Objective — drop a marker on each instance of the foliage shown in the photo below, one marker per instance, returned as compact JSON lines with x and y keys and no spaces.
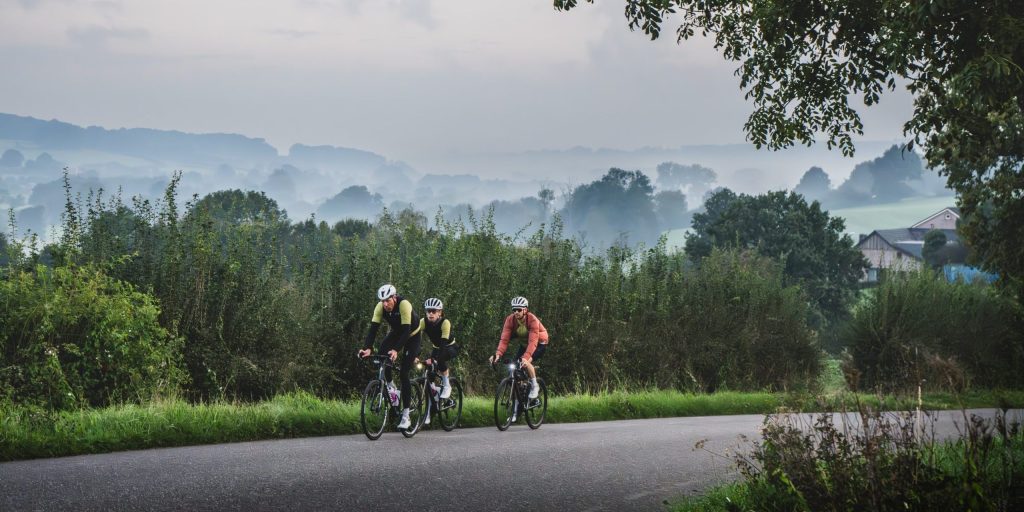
{"x":355,"y":201}
{"x":670,"y":208}
{"x":810,"y":244}
{"x":815,"y":184}
{"x":238,"y":207}
{"x":266,"y":306}
{"x":934,"y":242}
{"x":73,"y":336}
{"x":801,"y":63}
{"x":918,"y":327}
{"x":695,"y":179}
{"x":618,"y":207}
{"x":882,"y":180}
{"x":350,"y":227}
{"x":878,"y":461}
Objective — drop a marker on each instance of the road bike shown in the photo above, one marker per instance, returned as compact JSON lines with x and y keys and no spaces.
{"x":447,"y":411}
{"x":377,"y":406}
{"x":511,"y":400}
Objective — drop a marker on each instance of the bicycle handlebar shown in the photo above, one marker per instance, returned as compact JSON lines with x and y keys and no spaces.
{"x":378,"y":359}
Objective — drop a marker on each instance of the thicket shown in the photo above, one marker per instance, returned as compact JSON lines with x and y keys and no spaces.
{"x":918,"y":329}
{"x":877,"y":461}
{"x":72,"y":336}
{"x":263,"y":305}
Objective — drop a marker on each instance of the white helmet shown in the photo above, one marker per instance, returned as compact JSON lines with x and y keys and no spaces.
{"x":433,"y":303}
{"x":386,"y":292}
{"x":520,"y":302}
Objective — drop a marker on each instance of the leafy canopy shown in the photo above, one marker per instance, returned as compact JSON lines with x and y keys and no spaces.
{"x":809,"y":243}
{"x":801,"y":63}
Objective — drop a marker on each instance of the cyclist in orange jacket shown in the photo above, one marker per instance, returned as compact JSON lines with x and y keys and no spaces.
{"x":524,"y":326}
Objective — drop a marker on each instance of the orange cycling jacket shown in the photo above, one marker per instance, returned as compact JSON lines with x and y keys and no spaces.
{"x":531,"y":329}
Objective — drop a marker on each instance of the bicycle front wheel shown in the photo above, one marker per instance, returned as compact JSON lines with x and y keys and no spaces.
{"x":537,"y":408}
{"x":373,"y":414}
{"x":449,"y":410}
{"x":504,"y":404}
{"x":417,"y":405}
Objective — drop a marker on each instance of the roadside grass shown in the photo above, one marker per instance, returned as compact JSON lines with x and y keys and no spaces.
{"x":27,"y":432}
{"x":978,"y":471}
{"x":731,"y":496}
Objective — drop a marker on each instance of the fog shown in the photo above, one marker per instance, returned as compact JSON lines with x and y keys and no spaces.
{"x":524,"y":189}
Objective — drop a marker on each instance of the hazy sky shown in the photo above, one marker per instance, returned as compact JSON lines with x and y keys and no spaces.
{"x":404,"y":78}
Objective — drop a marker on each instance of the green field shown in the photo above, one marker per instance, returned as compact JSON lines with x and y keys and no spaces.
{"x":901,"y":214}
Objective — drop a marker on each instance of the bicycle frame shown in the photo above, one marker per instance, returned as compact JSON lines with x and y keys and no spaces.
{"x":383,"y":362}
{"x":434,"y":400}
{"x":512,"y":398}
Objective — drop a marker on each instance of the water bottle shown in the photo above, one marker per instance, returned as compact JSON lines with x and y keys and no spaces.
{"x":434,"y":389}
{"x":393,"y":394}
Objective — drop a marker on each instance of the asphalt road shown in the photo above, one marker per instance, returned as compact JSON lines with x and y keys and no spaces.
{"x":616,"y":465}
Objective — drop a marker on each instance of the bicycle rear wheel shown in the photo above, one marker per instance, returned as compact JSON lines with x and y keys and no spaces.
{"x":504,"y":404}
{"x":417,"y":405}
{"x":373,"y":414}
{"x":537,"y":408}
{"x":449,"y":409}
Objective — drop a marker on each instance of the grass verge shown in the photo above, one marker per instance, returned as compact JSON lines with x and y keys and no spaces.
{"x":27,"y":433}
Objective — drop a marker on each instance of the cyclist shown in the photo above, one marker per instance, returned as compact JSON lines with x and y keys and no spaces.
{"x":533,"y":337}
{"x":403,"y":337}
{"x":439,"y":332}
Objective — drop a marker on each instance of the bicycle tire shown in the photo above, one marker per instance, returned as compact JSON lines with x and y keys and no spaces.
{"x":504,"y":404}
{"x":377,"y":405}
{"x":449,"y":416}
{"x":535,"y":413}
{"x":428,"y":402}
{"x":417,"y":404}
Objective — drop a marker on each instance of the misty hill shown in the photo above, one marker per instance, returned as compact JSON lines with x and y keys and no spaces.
{"x":741,"y":167}
{"x":161,"y":145}
{"x":336,"y":182}
{"x":894,"y":176}
{"x":344,"y":159}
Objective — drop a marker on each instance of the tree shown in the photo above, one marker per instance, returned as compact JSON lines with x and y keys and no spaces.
{"x":963,"y":62}
{"x":934,"y":242}
{"x":814,"y":185}
{"x":618,"y":204}
{"x":237,"y":207}
{"x":12,"y":158}
{"x":546,"y":196}
{"x":353,"y":202}
{"x":809,"y":243}
{"x":695,"y":179}
{"x":4,"y":258}
{"x":352,"y":228}
{"x":670,"y":207}
{"x":882,"y":180}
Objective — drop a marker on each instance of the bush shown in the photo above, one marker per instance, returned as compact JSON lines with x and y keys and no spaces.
{"x":877,"y":461}
{"x":73,"y":336}
{"x":918,"y":328}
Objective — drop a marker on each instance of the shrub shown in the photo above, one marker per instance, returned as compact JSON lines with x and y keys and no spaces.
{"x":883,"y":462}
{"x":73,"y":336}
{"x":918,"y":328}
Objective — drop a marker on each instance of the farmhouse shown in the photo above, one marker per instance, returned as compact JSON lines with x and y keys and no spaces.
{"x":900,"y":249}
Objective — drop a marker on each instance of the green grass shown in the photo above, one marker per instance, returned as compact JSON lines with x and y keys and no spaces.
{"x":732,"y":496}
{"x":32,"y":433}
{"x":901,"y":214}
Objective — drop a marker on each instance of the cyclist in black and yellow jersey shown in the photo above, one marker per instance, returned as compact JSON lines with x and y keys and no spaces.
{"x":439,"y":332}
{"x":403,"y":337}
